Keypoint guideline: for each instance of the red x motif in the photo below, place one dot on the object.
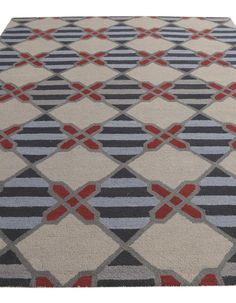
(232, 129)
(89, 33)
(162, 137)
(87, 91)
(34, 60)
(142, 32)
(201, 34)
(79, 136)
(156, 58)
(224, 92)
(216, 58)
(176, 200)
(38, 33)
(5, 142)
(154, 91)
(72, 200)
(13, 91)
(88, 58)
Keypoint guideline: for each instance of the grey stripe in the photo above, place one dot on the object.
(122, 124)
(123, 150)
(215, 136)
(124, 223)
(222, 221)
(35, 150)
(13, 271)
(218, 181)
(229, 269)
(201, 123)
(214, 200)
(38, 137)
(123, 201)
(213, 150)
(42, 124)
(118, 137)
(26, 201)
(122, 182)
(26, 182)
(125, 273)
(19, 222)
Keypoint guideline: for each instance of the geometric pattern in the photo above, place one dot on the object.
(118, 151)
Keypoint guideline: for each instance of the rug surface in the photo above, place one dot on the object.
(118, 151)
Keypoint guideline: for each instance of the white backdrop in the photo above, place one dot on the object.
(43, 8)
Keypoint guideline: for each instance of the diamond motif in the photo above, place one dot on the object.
(217, 199)
(196, 23)
(77, 167)
(10, 163)
(154, 73)
(89, 244)
(150, 44)
(55, 88)
(182, 244)
(68, 34)
(193, 92)
(9, 113)
(122, 138)
(122, 92)
(134, 210)
(95, 23)
(206, 45)
(206, 137)
(8, 58)
(182, 58)
(146, 22)
(84, 113)
(169, 166)
(46, 23)
(38, 138)
(36, 46)
(89, 74)
(129, 58)
(174, 33)
(61, 59)
(16, 34)
(92, 45)
(224, 111)
(24, 75)
(160, 112)
(28, 205)
(121, 33)
(211, 73)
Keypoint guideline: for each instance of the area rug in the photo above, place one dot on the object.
(118, 152)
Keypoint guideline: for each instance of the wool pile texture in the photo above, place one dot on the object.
(118, 152)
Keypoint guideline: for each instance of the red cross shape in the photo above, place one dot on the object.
(166, 136)
(176, 200)
(160, 90)
(224, 91)
(201, 34)
(5, 141)
(156, 58)
(72, 200)
(92, 33)
(34, 60)
(80, 136)
(232, 129)
(38, 33)
(88, 58)
(216, 58)
(13, 91)
(142, 32)
(88, 91)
